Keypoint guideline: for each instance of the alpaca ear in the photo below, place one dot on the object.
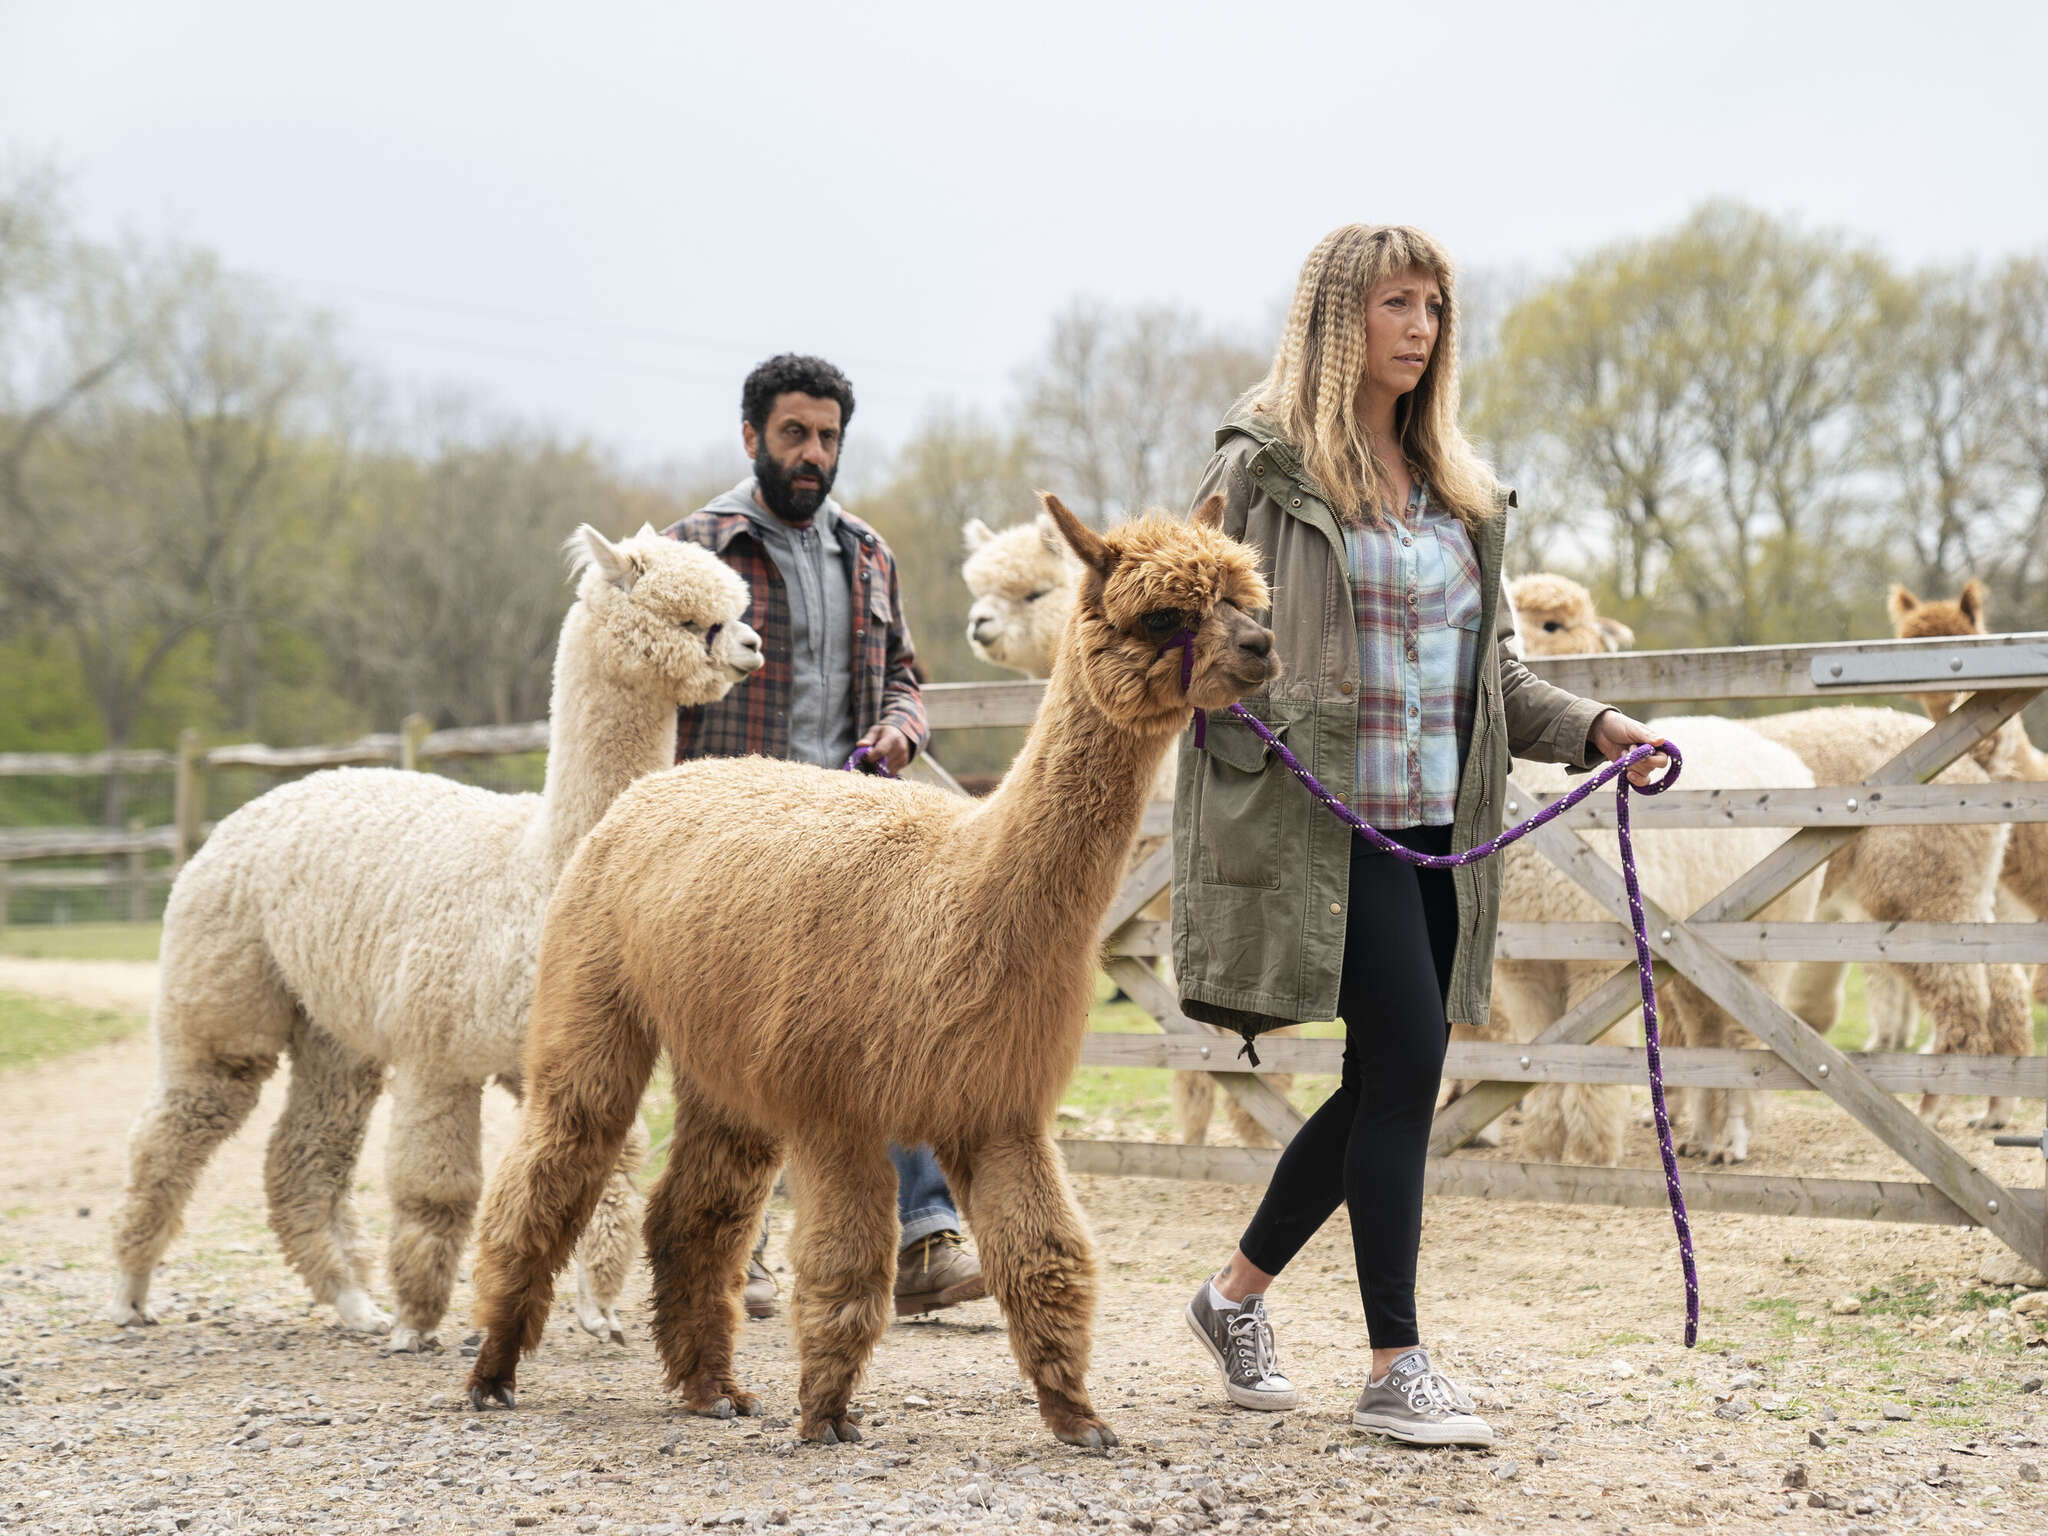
(1900, 603)
(1210, 513)
(647, 532)
(977, 533)
(610, 561)
(1972, 603)
(1049, 534)
(1615, 635)
(1089, 546)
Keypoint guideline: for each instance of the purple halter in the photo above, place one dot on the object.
(1613, 771)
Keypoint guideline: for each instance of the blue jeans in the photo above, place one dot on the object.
(924, 1205)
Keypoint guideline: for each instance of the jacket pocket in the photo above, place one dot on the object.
(1238, 821)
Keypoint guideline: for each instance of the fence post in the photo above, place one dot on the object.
(188, 808)
(138, 892)
(416, 729)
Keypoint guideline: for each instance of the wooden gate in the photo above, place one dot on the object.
(2006, 672)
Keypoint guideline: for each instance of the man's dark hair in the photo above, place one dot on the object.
(793, 373)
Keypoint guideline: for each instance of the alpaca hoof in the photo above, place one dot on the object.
(618, 1336)
(127, 1308)
(1089, 1434)
(406, 1340)
(831, 1432)
(482, 1395)
(359, 1314)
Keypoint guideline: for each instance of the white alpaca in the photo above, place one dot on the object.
(1024, 580)
(371, 920)
(1680, 868)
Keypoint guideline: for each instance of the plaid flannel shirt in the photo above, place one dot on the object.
(754, 717)
(1415, 595)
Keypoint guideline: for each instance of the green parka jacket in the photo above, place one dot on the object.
(1262, 872)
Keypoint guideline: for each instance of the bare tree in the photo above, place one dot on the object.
(2020, 310)
(1122, 408)
(1938, 428)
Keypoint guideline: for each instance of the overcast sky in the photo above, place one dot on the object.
(601, 215)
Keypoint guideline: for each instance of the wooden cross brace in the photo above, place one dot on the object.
(2020, 1225)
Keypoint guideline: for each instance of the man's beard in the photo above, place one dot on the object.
(791, 503)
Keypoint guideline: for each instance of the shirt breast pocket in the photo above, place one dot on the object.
(1457, 602)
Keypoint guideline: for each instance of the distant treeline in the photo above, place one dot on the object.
(1736, 431)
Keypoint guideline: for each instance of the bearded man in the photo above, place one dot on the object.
(839, 673)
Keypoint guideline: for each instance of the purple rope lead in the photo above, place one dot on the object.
(1615, 771)
(873, 755)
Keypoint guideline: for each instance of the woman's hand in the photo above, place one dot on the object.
(1613, 733)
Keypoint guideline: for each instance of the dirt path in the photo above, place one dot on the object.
(246, 1410)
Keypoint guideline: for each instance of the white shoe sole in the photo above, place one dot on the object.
(1244, 1397)
(1473, 1432)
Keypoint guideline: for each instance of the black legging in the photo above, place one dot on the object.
(1367, 1144)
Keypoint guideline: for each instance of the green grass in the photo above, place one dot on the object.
(35, 1029)
(82, 941)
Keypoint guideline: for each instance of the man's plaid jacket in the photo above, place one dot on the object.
(754, 717)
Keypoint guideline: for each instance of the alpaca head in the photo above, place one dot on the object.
(1023, 580)
(663, 615)
(1916, 618)
(1144, 584)
(1554, 616)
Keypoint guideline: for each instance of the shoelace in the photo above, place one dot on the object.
(925, 1245)
(1430, 1391)
(1251, 1337)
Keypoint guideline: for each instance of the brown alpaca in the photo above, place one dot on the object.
(766, 922)
(2010, 754)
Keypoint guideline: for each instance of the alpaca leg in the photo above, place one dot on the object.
(309, 1170)
(1721, 1116)
(196, 1104)
(701, 1222)
(1892, 1014)
(1194, 1102)
(586, 1071)
(222, 1019)
(1957, 998)
(434, 1170)
(1041, 1268)
(844, 1253)
(605, 1255)
(2011, 1030)
(1813, 991)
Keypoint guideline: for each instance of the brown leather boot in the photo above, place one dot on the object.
(935, 1272)
(760, 1292)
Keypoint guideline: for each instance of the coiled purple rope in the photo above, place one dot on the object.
(873, 754)
(1615, 771)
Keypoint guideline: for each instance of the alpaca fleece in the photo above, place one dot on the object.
(2008, 755)
(833, 963)
(370, 920)
(1024, 582)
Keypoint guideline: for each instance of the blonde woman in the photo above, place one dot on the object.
(1381, 534)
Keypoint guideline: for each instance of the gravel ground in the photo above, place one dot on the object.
(247, 1410)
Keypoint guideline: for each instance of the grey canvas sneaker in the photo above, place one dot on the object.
(1417, 1404)
(1242, 1341)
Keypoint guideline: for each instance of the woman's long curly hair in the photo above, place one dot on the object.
(1312, 390)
